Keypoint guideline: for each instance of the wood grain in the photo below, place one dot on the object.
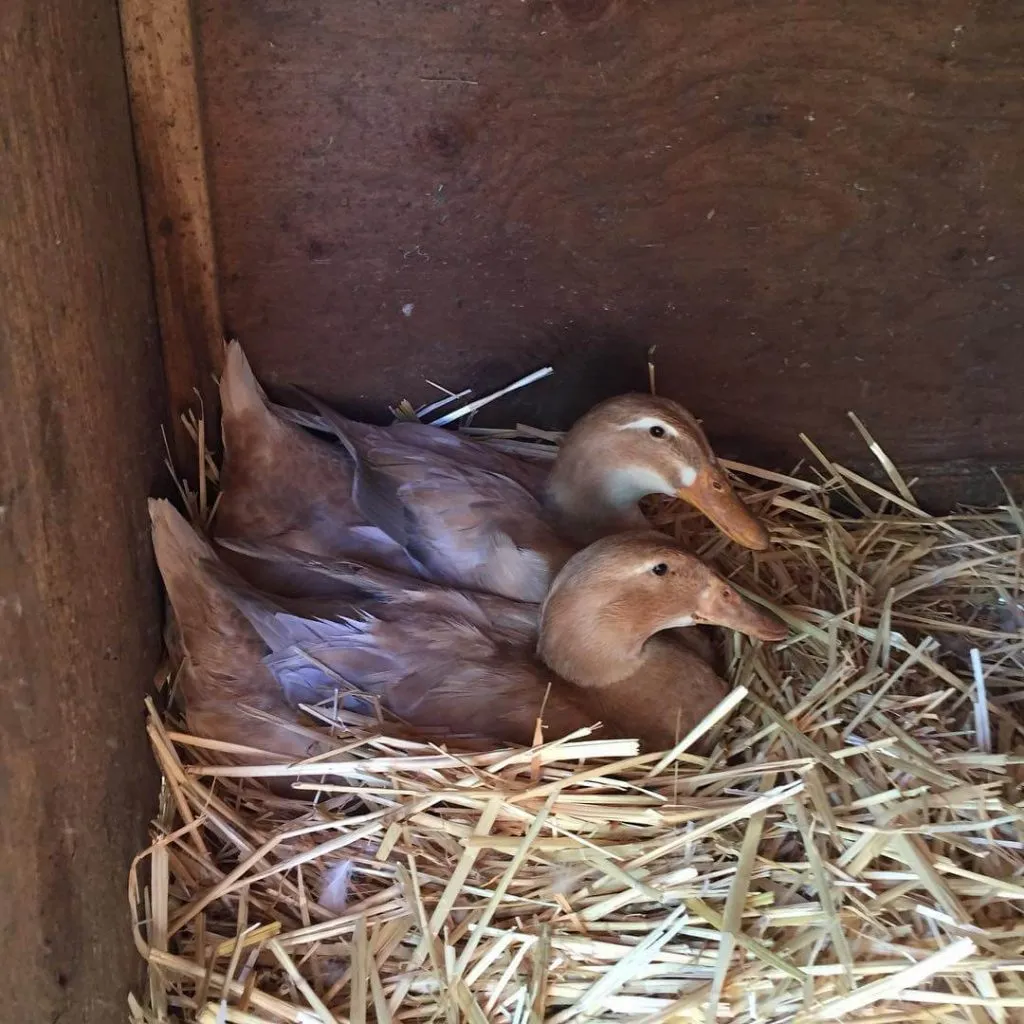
(809, 207)
(80, 407)
(160, 61)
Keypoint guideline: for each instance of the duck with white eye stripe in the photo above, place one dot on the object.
(452, 510)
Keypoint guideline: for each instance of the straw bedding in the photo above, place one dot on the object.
(852, 849)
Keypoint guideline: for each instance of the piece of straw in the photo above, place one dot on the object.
(982, 728)
(478, 403)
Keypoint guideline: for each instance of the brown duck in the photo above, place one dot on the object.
(599, 651)
(422, 500)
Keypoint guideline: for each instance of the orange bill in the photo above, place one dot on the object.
(720, 605)
(712, 494)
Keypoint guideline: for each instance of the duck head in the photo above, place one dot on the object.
(631, 446)
(613, 596)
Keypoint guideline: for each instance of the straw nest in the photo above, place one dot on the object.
(851, 850)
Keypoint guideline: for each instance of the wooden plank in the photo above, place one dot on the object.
(809, 209)
(81, 402)
(160, 59)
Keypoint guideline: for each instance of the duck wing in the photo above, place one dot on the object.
(468, 526)
(436, 673)
(530, 473)
(393, 594)
(531, 476)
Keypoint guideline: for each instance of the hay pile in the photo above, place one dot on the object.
(852, 849)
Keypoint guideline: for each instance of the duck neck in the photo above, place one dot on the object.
(586, 500)
(586, 642)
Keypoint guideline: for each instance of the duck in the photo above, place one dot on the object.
(599, 657)
(431, 503)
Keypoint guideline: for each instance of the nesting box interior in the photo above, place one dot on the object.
(807, 209)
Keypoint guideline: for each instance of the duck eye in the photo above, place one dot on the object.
(726, 595)
(660, 569)
(657, 431)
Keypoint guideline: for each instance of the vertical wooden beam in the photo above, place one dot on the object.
(159, 47)
(81, 401)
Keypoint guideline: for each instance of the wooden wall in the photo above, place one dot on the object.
(81, 402)
(809, 206)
